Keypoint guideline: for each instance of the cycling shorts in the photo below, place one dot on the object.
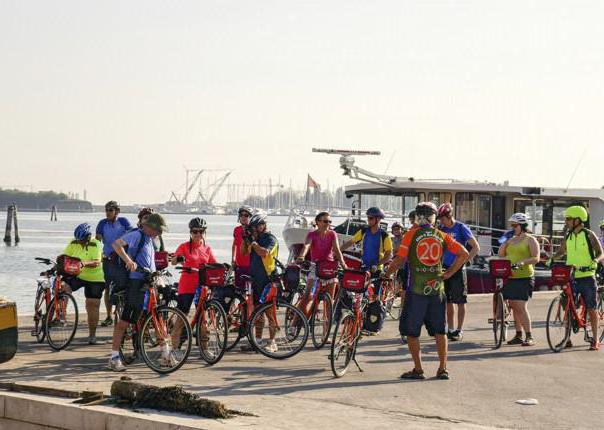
(135, 298)
(92, 290)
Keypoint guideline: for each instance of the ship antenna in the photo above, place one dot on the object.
(576, 168)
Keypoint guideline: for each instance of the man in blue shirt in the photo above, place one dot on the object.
(140, 253)
(108, 230)
(456, 287)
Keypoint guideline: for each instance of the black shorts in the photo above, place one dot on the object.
(588, 289)
(135, 299)
(518, 289)
(421, 310)
(184, 302)
(116, 275)
(456, 288)
(92, 290)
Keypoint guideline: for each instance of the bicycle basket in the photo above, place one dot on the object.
(327, 269)
(500, 268)
(212, 275)
(561, 274)
(355, 281)
(161, 260)
(68, 266)
(353, 262)
(291, 277)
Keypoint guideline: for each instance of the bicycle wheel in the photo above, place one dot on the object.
(320, 320)
(129, 346)
(61, 321)
(237, 326)
(557, 325)
(212, 332)
(162, 344)
(499, 327)
(39, 330)
(343, 344)
(287, 327)
(600, 309)
(389, 298)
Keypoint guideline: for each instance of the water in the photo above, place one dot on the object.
(42, 238)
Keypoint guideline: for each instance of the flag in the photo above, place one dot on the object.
(311, 183)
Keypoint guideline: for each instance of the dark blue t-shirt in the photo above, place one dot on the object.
(461, 233)
(371, 248)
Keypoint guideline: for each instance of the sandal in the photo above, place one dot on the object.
(442, 374)
(413, 374)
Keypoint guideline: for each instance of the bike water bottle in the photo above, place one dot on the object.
(146, 301)
(265, 293)
(314, 288)
(196, 298)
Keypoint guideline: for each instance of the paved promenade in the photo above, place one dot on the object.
(302, 393)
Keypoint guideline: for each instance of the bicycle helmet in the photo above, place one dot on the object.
(198, 223)
(396, 224)
(426, 209)
(245, 208)
(412, 214)
(376, 212)
(257, 220)
(519, 218)
(445, 209)
(83, 231)
(112, 204)
(144, 212)
(576, 212)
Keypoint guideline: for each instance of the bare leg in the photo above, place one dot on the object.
(414, 349)
(441, 346)
(450, 315)
(92, 311)
(107, 300)
(461, 315)
(593, 318)
(118, 334)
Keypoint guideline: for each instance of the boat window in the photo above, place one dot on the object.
(409, 203)
(473, 209)
(439, 198)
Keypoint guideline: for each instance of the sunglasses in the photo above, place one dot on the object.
(371, 217)
(327, 221)
(110, 210)
(198, 230)
(244, 215)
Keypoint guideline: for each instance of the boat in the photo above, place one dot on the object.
(484, 206)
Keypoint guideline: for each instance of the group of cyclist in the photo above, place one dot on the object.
(427, 262)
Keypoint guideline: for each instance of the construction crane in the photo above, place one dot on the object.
(217, 186)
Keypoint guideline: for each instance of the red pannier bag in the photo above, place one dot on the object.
(353, 262)
(327, 269)
(561, 274)
(161, 260)
(355, 281)
(500, 268)
(212, 275)
(291, 277)
(68, 266)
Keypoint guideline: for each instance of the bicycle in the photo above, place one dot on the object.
(210, 320)
(55, 310)
(501, 270)
(153, 333)
(348, 330)
(320, 312)
(563, 315)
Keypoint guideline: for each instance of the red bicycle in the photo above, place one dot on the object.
(566, 313)
(55, 310)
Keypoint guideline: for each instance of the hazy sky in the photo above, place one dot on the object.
(115, 97)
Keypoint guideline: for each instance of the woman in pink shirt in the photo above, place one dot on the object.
(195, 253)
(323, 246)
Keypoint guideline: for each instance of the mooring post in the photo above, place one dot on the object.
(9, 220)
(17, 239)
(53, 213)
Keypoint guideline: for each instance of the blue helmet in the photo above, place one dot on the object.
(376, 212)
(83, 231)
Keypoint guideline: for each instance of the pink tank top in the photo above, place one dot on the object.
(321, 247)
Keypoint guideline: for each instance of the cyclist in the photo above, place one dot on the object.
(240, 261)
(602, 233)
(376, 249)
(423, 247)
(143, 214)
(140, 254)
(403, 275)
(91, 277)
(456, 287)
(323, 246)
(397, 235)
(195, 253)
(583, 250)
(263, 249)
(522, 249)
(109, 229)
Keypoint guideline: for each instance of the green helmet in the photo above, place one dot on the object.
(156, 222)
(602, 224)
(576, 212)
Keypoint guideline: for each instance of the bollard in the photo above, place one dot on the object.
(17, 239)
(53, 213)
(9, 220)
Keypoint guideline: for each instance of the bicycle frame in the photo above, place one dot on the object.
(571, 306)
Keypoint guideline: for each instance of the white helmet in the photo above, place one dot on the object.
(519, 218)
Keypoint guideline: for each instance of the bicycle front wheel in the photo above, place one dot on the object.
(129, 345)
(320, 321)
(165, 339)
(236, 320)
(61, 321)
(212, 332)
(39, 330)
(343, 344)
(499, 322)
(283, 327)
(600, 310)
(558, 324)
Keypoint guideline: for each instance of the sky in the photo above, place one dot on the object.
(116, 97)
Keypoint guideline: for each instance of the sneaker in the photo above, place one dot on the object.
(404, 340)
(450, 334)
(455, 336)
(92, 341)
(272, 346)
(515, 341)
(529, 341)
(168, 359)
(569, 344)
(594, 346)
(107, 322)
(116, 364)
